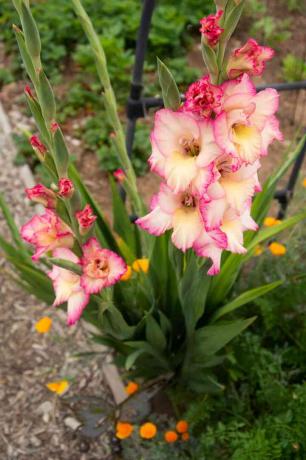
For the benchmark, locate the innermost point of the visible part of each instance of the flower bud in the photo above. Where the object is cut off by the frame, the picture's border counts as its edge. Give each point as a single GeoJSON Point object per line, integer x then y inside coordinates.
{"type": "Point", "coordinates": [250, 59]}
{"type": "Point", "coordinates": [119, 175]}
{"type": "Point", "coordinates": [210, 28]}
{"type": "Point", "coordinates": [86, 219]}
{"type": "Point", "coordinates": [39, 148]}
{"type": "Point", "coordinates": [43, 195]}
{"type": "Point", "coordinates": [65, 188]}
{"type": "Point", "coordinates": [28, 91]}
{"type": "Point", "coordinates": [54, 127]}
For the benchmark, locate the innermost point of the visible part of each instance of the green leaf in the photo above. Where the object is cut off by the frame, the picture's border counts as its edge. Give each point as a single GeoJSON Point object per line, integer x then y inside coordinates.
{"type": "Point", "coordinates": [267, 233]}
{"type": "Point", "coordinates": [27, 61]}
{"type": "Point", "coordinates": [210, 339]}
{"type": "Point", "coordinates": [158, 269]}
{"type": "Point", "coordinates": [132, 358]}
{"type": "Point", "coordinates": [13, 227]}
{"type": "Point", "coordinates": [171, 95]}
{"type": "Point", "coordinates": [31, 33]}
{"type": "Point", "coordinates": [40, 122]}
{"type": "Point", "coordinates": [46, 98]}
{"type": "Point", "coordinates": [232, 21]}
{"type": "Point", "coordinates": [150, 350]}
{"type": "Point", "coordinates": [66, 264]}
{"type": "Point", "coordinates": [193, 291]}
{"type": "Point", "coordinates": [222, 283]}
{"type": "Point", "coordinates": [210, 59]}
{"type": "Point", "coordinates": [263, 199]}
{"type": "Point", "coordinates": [245, 298]}
{"type": "Point", "coordinates": [114, 324]}
{"type": "Point", "coordinates": [121, 221]}
{"type": "Point", "coordinates": [154, 334]}
{"type": "Point", "coordinates": [61, 153]}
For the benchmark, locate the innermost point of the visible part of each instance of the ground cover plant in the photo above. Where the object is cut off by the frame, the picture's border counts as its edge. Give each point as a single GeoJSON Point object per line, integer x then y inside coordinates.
{"type": "Point", "coordinates": [159, 284]}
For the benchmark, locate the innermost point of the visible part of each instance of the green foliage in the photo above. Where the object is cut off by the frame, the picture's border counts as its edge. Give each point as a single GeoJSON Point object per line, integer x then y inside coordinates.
{"type": "Point", "coordinates": [294, 69]}
{"type": "Point", "coordinates": [268, 28]}
{"type": "Point", "coordinates": [66, 51]}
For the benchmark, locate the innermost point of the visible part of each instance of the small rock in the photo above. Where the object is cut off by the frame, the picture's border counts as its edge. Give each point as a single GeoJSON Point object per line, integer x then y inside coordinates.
{"type": "Point", "coordinates": [45, 408]}
{"type": "Point", "coordinates": [72, 423]}
{"type": "Point", "coordinates": [36, 442]}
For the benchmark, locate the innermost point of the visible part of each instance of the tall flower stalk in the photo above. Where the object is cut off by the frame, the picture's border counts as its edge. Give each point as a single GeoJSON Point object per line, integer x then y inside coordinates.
{"type": "Point", "coordinates": [166, 311]}
{"type": "Point", "coordinates": [110, 106]}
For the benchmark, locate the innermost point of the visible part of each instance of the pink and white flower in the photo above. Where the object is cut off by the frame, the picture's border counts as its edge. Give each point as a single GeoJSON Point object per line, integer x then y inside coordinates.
{"type": "Point", "coordinates": [203, 98]}
{"type": "Point", "coordinates": [65, 188]}
{"type": "Point", "coordinates": [43, 195]}
{"type": "Point", "coordinates": [181, 212]}
{"type": "Point", "coordinates": [183, 151]}
{"type": "Point", "coordinates": [211, 29]}
{"type": "Point", "coordinates": [232, 227]}
{"type": "Point", "coordinates": [234, 186]}
{"type": "Point", "coordinates": [47, 232]}
{"type": "Point", "coordinates": [250, 59]}
{"type": "Point", "coordinates": [101, 267]}
{"type": "Point", "coordinates": [67, 286]}
{"type": "Point", "coordinates": [247, 124]}
{"type": "Point", "coordinates": [86, 218]}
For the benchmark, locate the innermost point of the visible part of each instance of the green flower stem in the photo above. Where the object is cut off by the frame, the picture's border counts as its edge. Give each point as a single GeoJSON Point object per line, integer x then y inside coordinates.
{"type": "Point", "coordinates": [111, 107]}
{"type": "Point", "coordinates": [45, 109]}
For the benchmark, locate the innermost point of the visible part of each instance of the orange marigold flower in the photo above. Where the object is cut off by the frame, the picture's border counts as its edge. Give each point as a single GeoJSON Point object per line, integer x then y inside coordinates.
{"type": "Point", "coordinates": [277, 249]}
{"type": "Point", "coordinates": [304, 182]}
{"type": "Point", "coordinates": [170, 436]}
{"type": "Point", "coordinates": [59, 387]}
{"type": "Point", "coordinates": [182, 426]}
{"type": "Point", "coordinates": [141, 265]}
{"type": "Point", "coordinates": [124, 430]}
{"type": "Point", "coordinates": [127, 275]}
{"type": "Point", "coordinates": [148, 430]}
{"type": "Point", "coordinates": [43, 325]}
{"type": "Point", "coordinates": [185, 436]}
{"type": "Point", "coordinates": [131, 388]}
{"type": "Point", "coordinates": [271, 221]}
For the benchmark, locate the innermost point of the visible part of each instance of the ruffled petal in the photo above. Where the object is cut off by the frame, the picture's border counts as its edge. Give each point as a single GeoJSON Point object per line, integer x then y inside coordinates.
{"type": "Point", "coordinates": [76, 304]}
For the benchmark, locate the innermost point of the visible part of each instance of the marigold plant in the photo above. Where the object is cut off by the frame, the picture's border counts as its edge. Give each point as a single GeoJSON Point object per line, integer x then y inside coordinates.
{"type": "Point", "coordinates": [158, 283]}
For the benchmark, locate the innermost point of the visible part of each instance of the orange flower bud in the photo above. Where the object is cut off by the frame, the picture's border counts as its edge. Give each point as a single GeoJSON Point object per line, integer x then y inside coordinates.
{"type": "Point", "coordinates": [185, 436]}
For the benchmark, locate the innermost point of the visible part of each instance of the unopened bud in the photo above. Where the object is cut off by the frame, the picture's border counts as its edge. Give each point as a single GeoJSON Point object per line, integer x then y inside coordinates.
{"type": "Point", "coordinates": [119, 175]}
{"type": "Point", "coordinates": [43, 195]}
{"type": "Point", "coordinates": [39, 148]}
{"type": "Point", "coordinates": [54, 126]}
{"type": "Point", "coordinates": [28, 91]}
{"type": "Point", "coordinates": [86, 219]}
{"type": "Point", "coordinates": [65, 188]}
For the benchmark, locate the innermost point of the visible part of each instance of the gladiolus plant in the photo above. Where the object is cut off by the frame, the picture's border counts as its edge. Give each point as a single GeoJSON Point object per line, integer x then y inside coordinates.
{"type": "Point", "coordinates": [159, 288]}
